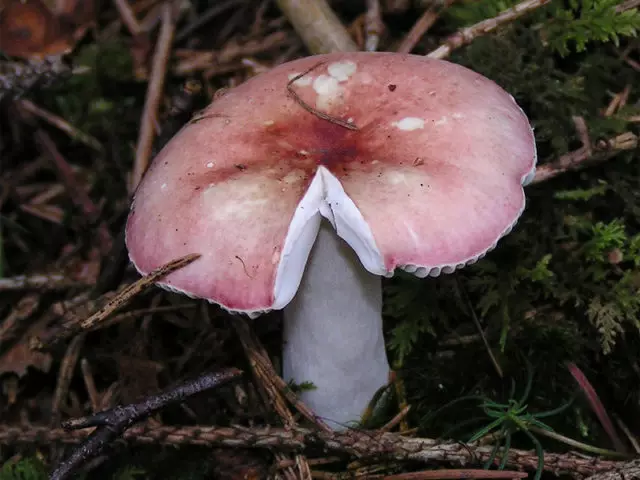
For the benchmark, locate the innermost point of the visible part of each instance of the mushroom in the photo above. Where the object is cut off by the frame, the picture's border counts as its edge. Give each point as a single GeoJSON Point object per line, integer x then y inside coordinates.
{"type": "Point", "coordinates": [349, 164]}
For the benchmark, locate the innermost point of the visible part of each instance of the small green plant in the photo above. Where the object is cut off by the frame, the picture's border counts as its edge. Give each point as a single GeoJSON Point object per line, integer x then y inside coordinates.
{"type": "Point", "coordinates": [130, 473]}
{"type": "Point", "coordinates": [507, 419]}
{"type": "Point", "coordinates": [587, 21]}
{"type": "Point", "coordinates": [30, 468]}
{"type": "Point", "coordinates": [510, 418]}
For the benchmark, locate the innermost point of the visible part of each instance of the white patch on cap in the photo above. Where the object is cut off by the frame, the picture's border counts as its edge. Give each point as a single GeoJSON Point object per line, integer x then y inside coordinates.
{"type": "Point", "coordinates": [296, 176]}
{"type": "Point", "coordinates": [409, 123]}
{"type": "Point", "coordinates": [268, 123]}
{"type": "Point", "coordinates": [210, 165]}
{"type": "Point", "coordinates": [396, 178]}
{"type": "Point", "coordinates": [249, 196]}
{"type": "Point", "coordinates": [365, 79]}
{"type": "Point", "coordinates": [441, 121]}
{"type": "Point", "coordinates": [342, 71]}
{"type": "Point", "coordinates": [457, 115]}
{"type": "Point", "coordinates": [328, 90]}
{"type": "Point", "coordinates": [163, 186]}
{"type": "Point", "coordinates": [303, 81]}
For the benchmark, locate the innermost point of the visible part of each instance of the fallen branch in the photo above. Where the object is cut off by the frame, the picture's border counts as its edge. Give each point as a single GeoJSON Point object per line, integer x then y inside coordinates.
{"type": "Point", "coordinates": [115, 302]}
{"type": "Point", "coordinates": [467, 35]}
{"type": "Point", "coordinates": [586, 156]}
{"type": "Point", "coordinates": [154, 94]}
{"type": "Point", "coordinates": [358, 443]}
{"type": "Point", "coordinates": [18, 78]}
{"type": "Point", "coordinates": [42, 282]}
{"type": "Point", "coordinates": [318, 26]}
{"type": "Point", "coordinates": [625, 471]}
{"type": "Point", "coordinates": [113, 423]}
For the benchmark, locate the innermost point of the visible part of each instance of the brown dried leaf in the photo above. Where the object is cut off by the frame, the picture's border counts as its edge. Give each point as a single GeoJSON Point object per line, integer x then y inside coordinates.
{"type": "Point", "coordinates": [20, 357]}
{"type": "Point", "coordinates": [29, 29]}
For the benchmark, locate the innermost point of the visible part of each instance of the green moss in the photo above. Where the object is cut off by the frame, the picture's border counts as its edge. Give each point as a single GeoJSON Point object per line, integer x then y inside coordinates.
{"type": "Point", "coordinates": [564, 285]}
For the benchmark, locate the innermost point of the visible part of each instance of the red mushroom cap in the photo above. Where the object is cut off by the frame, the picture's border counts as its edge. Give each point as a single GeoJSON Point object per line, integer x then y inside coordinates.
{"type": "Point", "coordinates": [427, 178]}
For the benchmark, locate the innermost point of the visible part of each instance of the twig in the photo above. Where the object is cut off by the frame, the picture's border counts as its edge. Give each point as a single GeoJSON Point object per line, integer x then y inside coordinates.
{"type": "Point", "coordinates": [90, 385]}
{"type": "Point", "coordinates": [618, 101]}
{"type": "Point", "coordinates": [133, 314]}
{"type": "Point", "coordinates": [154, 95]}
{"type": "Point", "coordinates": [17, 78]}
{"type": "Point", "coordinates": [60, 123]}
{"type": "Point", "coordinates": [16, 323]}
{"type": "Point", "coordinates": [422, 26]}
{"type": "Point", "coordinates": [65, 374]}
{"type": "Point", "coordinates": [395, 421]}
{"type": "Point", "coordinates": [76, 192]}
{"type": "Point", "coordinates": [113, 423]}
{"type": "Point", "coordinates": [585, 447]}
{"type": "Point", "coordinates": [446, 474]}
{"type": "Point", "coordinates": [626, 471]}
{"type": "Point", "coordinates": [128, 17]}
{"type": "Point", "coordinates": [627, 5]}
{"type": "Point", "coordinates": [260, 359]}
{"type": "Point", "coordinates": [264, 374]}
{"type": "Point", "coordinates": [45, 282]}
{"type": "Point", "coordinates": [467, 300]}
{"type": "Point", "coordinates": [353, 442]}
{"type": "Point", "coordinates": [215, 62]}
{"type": "Point", "coordinates": [309, 108]}
{"type": "Point", "coordinates": [467, 35]}
{"type": "Point", "coordinates": [578, 159]}
{"type": "Point", "coordinates": [373, 26]}
{"type": "Point", "coordinates": [317, 25]}
{"type": "Point", "coordinates": [118, 301]}
{"type": "Point", "coordinates": [633, 440]}
{"type": "Point", "coordinates": [204, 18]}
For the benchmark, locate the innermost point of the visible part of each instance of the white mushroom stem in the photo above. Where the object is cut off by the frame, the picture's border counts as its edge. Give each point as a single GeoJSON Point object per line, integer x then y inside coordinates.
{"type": "Point", "coordinates": [333, 333]}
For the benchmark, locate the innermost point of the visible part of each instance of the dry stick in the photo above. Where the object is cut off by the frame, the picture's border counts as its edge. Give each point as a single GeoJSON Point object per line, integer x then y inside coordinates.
{"type": "Point", "coordinates": [154, 95]}
{"type": "Point", "coordinates": [467, 35]}
{"type": "Point", "coordinates": [395, 421]}
{"type": "Point", "coordinates": [580, 158]}
{"type": "Point", "coordinates": [467, 300]}
{"type": "Point", "coordinates": [17, 78]}
{"type": "Point", "coordinates": [90, 385]}
{"type": "Point", "coordinates": [359, 444]}
{"type": "Point", "coordinates": [276, 386]}
{"type": "Point", "coordinates": [422, 26]}
{"type": "Point", "coordinates": [16, 322]}
{"type": "Point", "coordinates": [259, 17]}
{"type": "Point", "coordinates": [628, 5]}
{"type": "Point", "coordinates": [65, 374]}
{"type": "Point", "coordinates": [373, 26]}
{"type": "Point", "coordinates": [113, 423]}
{"type": "Point", "coordinates": [60, 123]}
{"type": "Point", "coordinates": [318, 27]}
{"type": "Point", "coordinates": [204, 18]}
{"type": "Point", "coordinates": [461, 474]}
{"type": "Point", "coordinates": [133, 314]}
{"type": "Point", "coordinates": [43, 282]}
{"type": "Point", "coordinates": [630, 436]}
{"type": "Point", "coordinates": [264, 373]}
{"type": "Point", "coordinates": [309, 108]}
{"type": "Point", "coordinates": [123, 297]}
{"type": "Point", "coordinates": [128, 17]}
{"type": "Point", "coordinates": [626, 471]}
{"type": "Point", "coordinates": [75, 191]}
